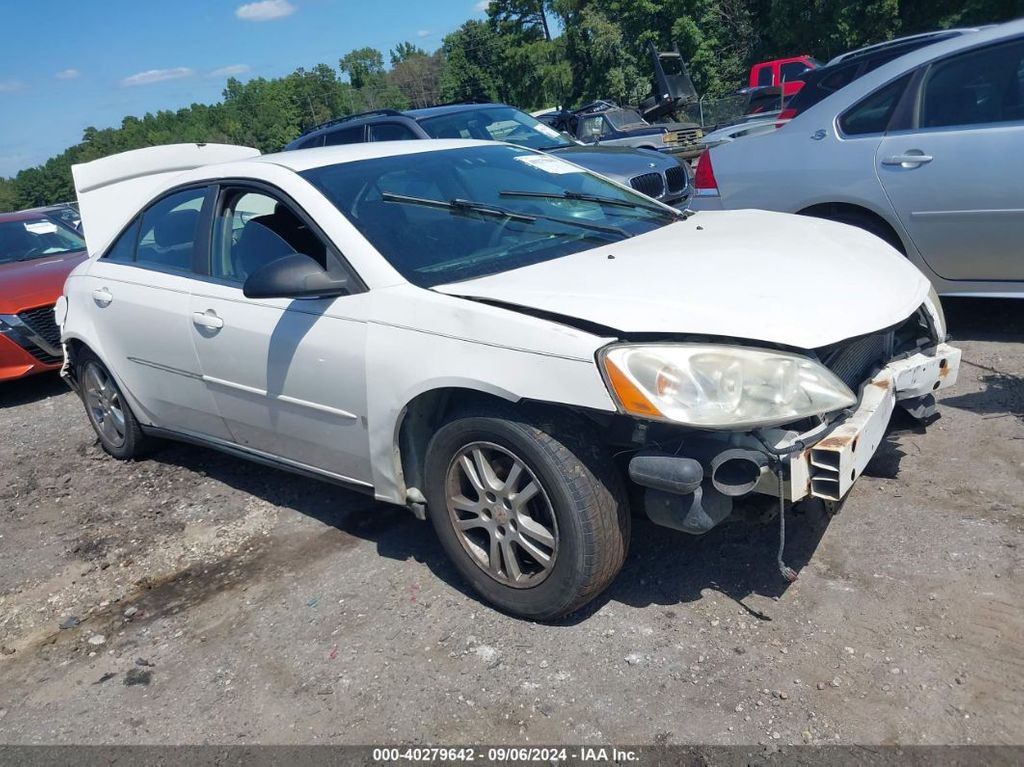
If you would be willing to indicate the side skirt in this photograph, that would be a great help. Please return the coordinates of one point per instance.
(257, 456)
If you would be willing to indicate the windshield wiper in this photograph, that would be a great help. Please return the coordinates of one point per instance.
(468, 206)
(596, 198)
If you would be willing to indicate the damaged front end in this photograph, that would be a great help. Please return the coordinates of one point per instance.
(692, 476)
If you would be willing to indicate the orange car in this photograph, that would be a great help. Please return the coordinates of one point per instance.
(37, 252)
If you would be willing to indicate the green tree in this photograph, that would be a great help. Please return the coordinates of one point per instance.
(472, 64)
(405, 51)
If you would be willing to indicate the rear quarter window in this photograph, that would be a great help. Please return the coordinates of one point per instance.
(873, 113)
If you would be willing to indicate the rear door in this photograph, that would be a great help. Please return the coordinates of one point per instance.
(139, 290)
(955, 177)
(287, 375)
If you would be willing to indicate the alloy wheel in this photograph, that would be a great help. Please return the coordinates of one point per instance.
(502, 515)
(103, 403)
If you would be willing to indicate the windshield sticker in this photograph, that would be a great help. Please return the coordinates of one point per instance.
(40, 227)
(546, 130)
(548, 164)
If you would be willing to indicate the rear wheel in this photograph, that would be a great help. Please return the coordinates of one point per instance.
(531, 511)
(115, 424)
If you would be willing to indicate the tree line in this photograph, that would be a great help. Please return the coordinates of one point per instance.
(529, 53)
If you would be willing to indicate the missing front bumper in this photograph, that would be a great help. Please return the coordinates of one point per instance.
(828, 469)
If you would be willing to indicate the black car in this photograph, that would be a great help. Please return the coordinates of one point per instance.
(652, 173)
(844, 69)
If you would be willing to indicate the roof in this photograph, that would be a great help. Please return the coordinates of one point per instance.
(425, 112)
(909, 61)
(897, 42)
(299, 160)
(23, 215)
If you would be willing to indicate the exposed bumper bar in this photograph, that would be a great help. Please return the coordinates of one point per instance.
(829, 468)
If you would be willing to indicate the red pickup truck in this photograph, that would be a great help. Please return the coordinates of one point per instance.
(781, 72)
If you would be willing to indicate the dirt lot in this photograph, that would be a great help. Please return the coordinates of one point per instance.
(206, 600)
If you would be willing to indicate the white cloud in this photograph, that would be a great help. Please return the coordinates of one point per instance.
(230, 71)
(157, 76)
(482, 6)
(423, 33)
(265, 10)
(68, 74)
(9, 86)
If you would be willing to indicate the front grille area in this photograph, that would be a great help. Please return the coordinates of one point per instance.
(43, 356)
(676, 178)
(651, 184)
(43, 324)
(855, 360)
(690, 136)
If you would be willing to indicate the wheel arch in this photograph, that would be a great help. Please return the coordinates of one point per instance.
(423, 413)
(837, 211)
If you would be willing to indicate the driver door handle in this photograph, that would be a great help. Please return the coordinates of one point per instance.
(102, 297)
(207, 320)
(907, 160)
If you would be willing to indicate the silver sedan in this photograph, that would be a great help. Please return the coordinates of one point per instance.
(925, 152)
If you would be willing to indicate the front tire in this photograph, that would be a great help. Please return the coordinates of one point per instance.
(116, 426)
(530, 509)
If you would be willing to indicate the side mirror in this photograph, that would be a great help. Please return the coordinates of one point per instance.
(294, 276)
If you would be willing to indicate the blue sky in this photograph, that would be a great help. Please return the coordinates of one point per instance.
(67, 64)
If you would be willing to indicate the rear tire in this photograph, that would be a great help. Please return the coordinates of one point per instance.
(544, 557)
(107, 409)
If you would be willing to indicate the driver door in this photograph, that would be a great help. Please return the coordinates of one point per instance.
(287, 375)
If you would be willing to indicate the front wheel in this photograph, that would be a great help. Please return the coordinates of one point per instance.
(530, 510)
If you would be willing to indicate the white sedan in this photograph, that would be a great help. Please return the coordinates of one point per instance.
(492, 337)
(926, 152)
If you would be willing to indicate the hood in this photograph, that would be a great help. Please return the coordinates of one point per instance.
(40, 281)
(770, 277)
(617, 162)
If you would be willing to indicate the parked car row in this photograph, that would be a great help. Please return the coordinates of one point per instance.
(514, 342)
(649, 172)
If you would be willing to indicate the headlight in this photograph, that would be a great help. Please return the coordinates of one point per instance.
(713, 386)
(938, 316)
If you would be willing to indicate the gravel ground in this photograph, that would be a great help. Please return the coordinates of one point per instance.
(195, 598)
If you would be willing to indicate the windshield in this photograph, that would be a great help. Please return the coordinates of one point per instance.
(622, 118)
(453, 215)
(495, 124)
(30, 238)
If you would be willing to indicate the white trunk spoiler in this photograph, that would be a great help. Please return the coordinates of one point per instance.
(112, 189)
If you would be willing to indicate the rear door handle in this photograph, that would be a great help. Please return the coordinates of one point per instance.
(207, 319)
(907, 160)
(102, 297)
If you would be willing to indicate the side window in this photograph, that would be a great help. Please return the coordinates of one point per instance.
(344, 136)
(764, 76)
(310, 143)
(390, 132)
(253, 229)
(123, 249)
(792, 70)
(872, 113)
(983, 86)
(169, 230)
(592, 127)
